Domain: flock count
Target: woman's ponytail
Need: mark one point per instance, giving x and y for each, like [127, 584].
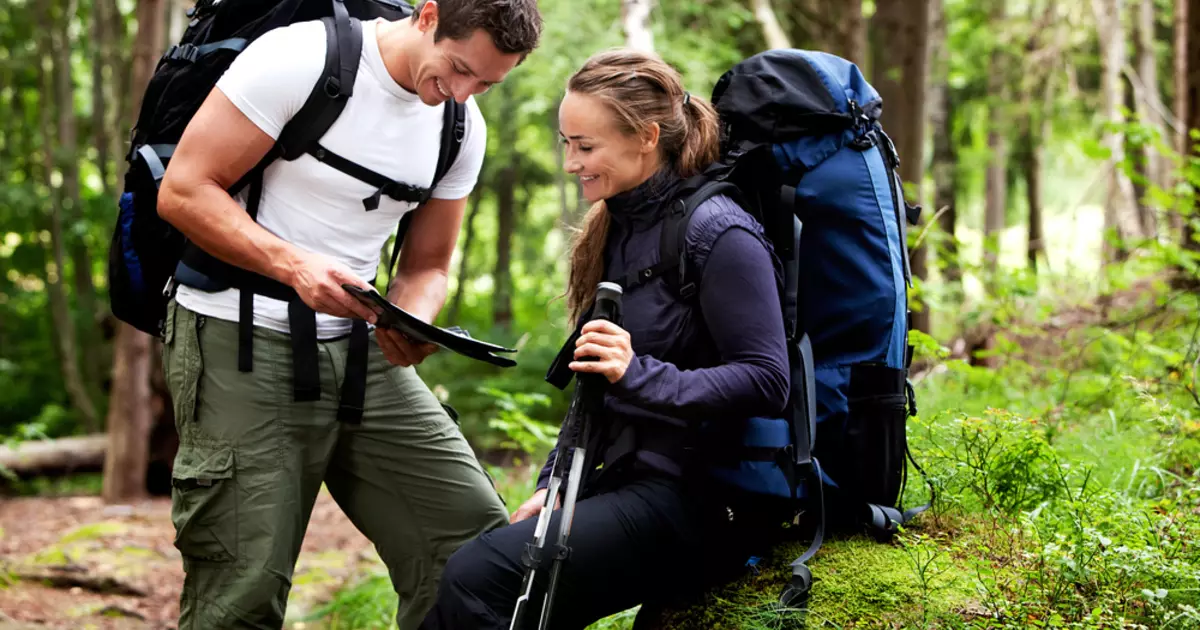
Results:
[701, 136]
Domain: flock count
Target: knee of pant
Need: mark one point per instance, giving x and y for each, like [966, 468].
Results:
[214, 598]
[468, 568]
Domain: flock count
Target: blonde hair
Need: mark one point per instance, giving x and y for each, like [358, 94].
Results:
[639, 88]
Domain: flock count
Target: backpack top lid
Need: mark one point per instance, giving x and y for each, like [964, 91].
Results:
[779, 95]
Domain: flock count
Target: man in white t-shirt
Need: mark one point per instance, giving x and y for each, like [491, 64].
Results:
[254, 452]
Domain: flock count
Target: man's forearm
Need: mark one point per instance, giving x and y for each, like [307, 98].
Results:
[420, 292]
[211, 219]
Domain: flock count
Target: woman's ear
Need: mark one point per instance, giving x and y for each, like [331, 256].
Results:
[650, 138]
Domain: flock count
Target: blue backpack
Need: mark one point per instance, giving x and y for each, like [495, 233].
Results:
[804, 152]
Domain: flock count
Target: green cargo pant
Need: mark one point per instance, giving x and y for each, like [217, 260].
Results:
[251, 462]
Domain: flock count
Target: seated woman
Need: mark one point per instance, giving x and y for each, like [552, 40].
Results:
[647, 526]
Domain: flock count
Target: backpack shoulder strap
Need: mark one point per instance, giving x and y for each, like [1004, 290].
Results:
[672, 250]
[343, 47]
[454, 129]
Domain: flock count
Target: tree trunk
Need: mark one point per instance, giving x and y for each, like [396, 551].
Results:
[120, 67]
[1120, 213]
[1149, 103]
[995, 192]
[1192, 108]
[635, 17]
[464, 268]
[72, 205]
[1031, 158]
[129, 418]
[60, 308]
[1180, 80]
[773, 33]
[101, 133]
[944, 167]
[177, 19]
[506, 183]
[506, 214]
[900, 68]
[852, 35]
[131, 409]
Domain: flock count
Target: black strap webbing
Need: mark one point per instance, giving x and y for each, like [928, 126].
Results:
[354, 384]
[306, 372]
[383, 184]
[246, 300]
[343, 46]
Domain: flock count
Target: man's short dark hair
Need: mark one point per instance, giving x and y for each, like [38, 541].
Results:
[515, 25]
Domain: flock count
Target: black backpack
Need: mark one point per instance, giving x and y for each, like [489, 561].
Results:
[148, 257]
[145, 250]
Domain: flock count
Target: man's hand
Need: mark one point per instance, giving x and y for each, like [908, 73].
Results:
[319, 279]
[533, 506]
[397, 348]
[401, 351]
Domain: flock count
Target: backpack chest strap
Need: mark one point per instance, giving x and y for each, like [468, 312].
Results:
[383, 184]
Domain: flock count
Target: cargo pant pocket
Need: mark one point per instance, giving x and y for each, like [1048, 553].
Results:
[204, 506]
[183, 363]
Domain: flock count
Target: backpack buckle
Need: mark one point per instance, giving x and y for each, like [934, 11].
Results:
[332, 87]
[687, 290]
[186, 52]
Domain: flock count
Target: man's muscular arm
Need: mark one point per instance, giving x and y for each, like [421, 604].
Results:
[422, 272]
[220, 145]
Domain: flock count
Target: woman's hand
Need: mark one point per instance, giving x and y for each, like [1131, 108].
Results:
[609, 344]
[533, 506]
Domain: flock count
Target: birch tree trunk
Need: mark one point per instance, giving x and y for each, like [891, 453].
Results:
[1120, 213]
[996, 186]
[635, 16]
[776, 37]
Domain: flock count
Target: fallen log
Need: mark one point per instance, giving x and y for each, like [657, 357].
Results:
[55, 457]
[100, 584]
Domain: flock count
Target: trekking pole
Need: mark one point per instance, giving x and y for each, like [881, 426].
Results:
[588, 395]
[591, 388]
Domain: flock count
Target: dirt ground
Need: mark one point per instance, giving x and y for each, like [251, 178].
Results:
[98, 556]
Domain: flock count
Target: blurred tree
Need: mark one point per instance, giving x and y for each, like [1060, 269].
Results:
[900, 30]
[131, 416]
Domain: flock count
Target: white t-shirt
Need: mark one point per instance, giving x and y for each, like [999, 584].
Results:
[314, 206]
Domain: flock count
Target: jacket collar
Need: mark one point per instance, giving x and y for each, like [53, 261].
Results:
[642, 206]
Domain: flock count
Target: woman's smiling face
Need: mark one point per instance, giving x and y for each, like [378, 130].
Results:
[607, 159]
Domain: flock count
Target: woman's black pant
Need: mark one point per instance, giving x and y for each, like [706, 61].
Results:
[645, 541]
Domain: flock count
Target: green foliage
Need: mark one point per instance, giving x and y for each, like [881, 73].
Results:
[367, 605]
[524, 433]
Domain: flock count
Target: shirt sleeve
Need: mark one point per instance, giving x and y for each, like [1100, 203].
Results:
[464, 173]
[738, 295]
[270, 80]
